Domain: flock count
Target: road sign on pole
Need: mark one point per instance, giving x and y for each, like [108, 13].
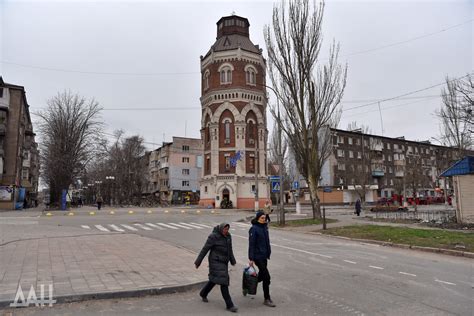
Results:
[275, 186]
[296, 185]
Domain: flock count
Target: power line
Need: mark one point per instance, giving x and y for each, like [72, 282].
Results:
[379, 100]
[100, 73]
[186, 108]
[197, 72]
[383, 108]
[402, 95]
[408, 40]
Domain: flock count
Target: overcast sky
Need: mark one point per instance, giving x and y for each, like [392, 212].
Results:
[135, 55]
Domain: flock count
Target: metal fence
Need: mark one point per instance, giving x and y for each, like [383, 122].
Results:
[424, 216]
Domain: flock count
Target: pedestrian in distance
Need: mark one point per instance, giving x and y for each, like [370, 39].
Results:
[357, 207]
[219, 246]
[268, 210]
[99, 201]
[259, 253]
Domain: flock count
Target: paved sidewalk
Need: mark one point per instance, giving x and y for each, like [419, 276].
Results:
[92, 265]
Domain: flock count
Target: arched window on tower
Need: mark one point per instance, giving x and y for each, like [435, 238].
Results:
[208, 134]
[227, 132]
[250, 75]
[225, 71]
[251, 132]
[206, 79]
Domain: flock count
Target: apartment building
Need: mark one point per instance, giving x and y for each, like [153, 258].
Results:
[19, 155]
[370, 167]
[175, 170]
[373, 166]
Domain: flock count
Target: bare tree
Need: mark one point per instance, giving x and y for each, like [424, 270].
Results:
[456, 114]
[70, 130]
[309, 94]
[127, 162]
[414, 177]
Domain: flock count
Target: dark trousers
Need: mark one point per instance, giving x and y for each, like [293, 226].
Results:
[224, 290]
[99, 204]
[267, 218]
[264, 277]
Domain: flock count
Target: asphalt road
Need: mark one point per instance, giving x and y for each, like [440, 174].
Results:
[311, 274]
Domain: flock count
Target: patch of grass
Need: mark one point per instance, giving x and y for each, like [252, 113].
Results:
[411, 236]
[304, 222]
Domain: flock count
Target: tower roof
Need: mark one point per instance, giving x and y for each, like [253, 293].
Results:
[232, 33]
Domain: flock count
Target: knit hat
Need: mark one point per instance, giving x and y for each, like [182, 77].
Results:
[258, 214]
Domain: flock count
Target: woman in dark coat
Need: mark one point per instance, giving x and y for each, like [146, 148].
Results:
[219, 243]
[259, 253]
[357, 207]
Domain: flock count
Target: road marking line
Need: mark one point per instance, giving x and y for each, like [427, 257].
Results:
[445, 282]
[294, 249]
[240, 224]
[102, 228]
[181, 226]
[348, 261]
[167, 226]
[129, 227]
[85, 226]
[154, 226]
[410, 274]
[375, 267]
[190, 225]
[143, 227]
[206, 226]
[116, 228]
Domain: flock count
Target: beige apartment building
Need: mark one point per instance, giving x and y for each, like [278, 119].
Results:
[175, 171]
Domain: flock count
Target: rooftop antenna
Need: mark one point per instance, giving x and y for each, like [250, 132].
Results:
[185, 126]
[381, 121]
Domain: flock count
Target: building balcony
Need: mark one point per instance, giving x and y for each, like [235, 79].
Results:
[378, 173]
[377, 161]
[164, 165]
[399, 162]
[376, 147]
[399, 174]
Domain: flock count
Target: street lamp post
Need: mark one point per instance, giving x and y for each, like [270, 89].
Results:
[111, 178]
[98, 184]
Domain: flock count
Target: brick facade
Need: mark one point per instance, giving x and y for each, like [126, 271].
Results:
[233, 118]
[19, 155]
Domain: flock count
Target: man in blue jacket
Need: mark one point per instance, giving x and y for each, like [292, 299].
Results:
[259, 253]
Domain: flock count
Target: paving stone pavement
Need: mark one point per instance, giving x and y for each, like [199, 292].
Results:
[94, 264]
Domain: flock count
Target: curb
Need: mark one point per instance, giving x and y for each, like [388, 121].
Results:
[449, 252]
[121, 294]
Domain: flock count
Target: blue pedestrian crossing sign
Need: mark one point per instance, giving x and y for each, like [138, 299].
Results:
[275, 186]
[296, 185]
